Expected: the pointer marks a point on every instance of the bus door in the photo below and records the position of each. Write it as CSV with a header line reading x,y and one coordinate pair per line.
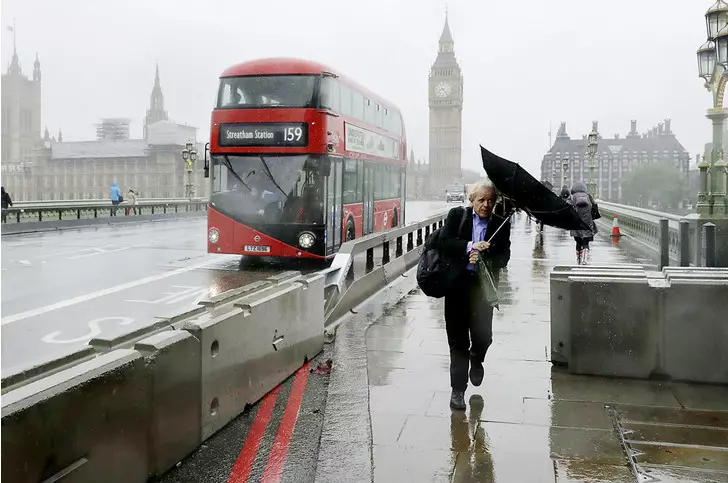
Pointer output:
x,y
334,206
368,218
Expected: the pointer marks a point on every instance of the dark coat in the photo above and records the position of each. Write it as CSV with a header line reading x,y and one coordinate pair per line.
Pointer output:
x,y
454,245
582,203
6,201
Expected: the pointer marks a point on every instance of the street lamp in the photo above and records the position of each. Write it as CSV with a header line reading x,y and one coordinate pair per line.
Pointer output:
x,y
564,168
592,151
712,65
189,156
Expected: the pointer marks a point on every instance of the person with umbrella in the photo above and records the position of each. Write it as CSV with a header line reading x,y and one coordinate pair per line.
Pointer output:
x,y
472,238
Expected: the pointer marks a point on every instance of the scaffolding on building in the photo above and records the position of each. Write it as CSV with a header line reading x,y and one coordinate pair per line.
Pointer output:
x,y
113,129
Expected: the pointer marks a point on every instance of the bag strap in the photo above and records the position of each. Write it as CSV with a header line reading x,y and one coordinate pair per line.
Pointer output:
x,y
462,221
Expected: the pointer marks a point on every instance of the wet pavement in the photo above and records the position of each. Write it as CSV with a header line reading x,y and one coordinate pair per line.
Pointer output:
x,y
63,288
528,421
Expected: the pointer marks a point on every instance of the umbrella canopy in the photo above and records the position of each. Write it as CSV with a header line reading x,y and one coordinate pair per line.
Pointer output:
x,y
529,194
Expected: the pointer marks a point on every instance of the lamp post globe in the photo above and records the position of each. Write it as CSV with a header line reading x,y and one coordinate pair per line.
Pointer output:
x,y
716,18
706,60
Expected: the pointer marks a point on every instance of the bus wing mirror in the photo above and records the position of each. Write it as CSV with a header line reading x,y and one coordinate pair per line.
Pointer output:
x,y
207,160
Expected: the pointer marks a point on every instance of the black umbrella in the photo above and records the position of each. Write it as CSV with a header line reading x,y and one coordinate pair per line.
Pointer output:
x,y
527,193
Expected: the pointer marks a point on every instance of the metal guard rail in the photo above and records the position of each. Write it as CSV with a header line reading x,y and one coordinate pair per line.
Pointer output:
x,y
644,225
341,297
75,211
95,202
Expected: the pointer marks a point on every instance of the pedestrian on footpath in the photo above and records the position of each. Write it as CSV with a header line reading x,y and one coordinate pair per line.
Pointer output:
x,y
115,195
467,234
7,202
132,195
582,203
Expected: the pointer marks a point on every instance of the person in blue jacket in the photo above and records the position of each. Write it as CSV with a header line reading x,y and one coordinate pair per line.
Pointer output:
x,y
115,195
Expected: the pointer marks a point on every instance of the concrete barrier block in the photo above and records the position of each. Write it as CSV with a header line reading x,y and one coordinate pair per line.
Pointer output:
x,y
696,331
88,422
173,360
21,375
249,350
615,327
560,304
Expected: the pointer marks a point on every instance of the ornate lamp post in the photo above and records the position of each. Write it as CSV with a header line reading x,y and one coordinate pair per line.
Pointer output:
x,y
592,151
712,64
189,156
564,170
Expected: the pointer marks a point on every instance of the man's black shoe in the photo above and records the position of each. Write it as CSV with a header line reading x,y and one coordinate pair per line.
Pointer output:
x,y
457,400
476,373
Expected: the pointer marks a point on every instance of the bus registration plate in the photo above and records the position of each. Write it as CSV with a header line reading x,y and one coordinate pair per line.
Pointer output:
x,y
257,248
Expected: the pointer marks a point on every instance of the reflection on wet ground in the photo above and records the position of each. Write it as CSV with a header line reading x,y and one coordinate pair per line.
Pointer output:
x,y
528,421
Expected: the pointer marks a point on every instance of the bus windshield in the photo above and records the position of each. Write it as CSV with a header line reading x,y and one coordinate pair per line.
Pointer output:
x,y
269,189
267,91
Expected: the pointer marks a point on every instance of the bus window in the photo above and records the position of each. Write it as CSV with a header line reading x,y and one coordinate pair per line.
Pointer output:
x,y
350,181
357,105
271,189
395,182
329,93
345,99
266,91
378,182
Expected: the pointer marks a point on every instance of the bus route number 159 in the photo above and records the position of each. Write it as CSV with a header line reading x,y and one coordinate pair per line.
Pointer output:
x,y
293,134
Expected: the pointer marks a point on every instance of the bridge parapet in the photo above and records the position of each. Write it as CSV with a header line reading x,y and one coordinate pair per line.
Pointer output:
x,y
643,225
688,239
30,217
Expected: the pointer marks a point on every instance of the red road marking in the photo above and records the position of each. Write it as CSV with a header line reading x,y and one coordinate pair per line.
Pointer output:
x,y
244,463
277,457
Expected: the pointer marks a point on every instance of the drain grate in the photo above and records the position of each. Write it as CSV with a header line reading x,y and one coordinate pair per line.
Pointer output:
x,y
640,475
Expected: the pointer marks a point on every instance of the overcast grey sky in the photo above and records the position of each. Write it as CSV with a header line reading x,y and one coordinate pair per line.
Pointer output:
x,y
525,63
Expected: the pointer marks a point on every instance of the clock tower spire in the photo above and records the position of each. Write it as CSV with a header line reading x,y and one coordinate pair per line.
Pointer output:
x,y
446,108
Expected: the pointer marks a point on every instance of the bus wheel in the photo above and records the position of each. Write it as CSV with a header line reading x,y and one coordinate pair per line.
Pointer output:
x,y
395,219
350,232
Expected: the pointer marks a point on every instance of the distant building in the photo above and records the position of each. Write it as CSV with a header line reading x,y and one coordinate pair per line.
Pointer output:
x,y
152,165
21,110
615,157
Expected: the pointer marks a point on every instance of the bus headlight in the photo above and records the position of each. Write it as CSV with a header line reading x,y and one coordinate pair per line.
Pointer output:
x,y
213,235
306,240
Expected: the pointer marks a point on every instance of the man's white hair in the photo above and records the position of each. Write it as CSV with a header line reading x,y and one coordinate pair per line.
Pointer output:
x,y
481,185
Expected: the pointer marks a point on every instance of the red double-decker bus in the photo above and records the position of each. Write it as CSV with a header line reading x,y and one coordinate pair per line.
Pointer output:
x,y
301,159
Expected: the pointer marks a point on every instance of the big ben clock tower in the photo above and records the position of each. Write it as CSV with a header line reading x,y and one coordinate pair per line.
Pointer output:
x,y
446,113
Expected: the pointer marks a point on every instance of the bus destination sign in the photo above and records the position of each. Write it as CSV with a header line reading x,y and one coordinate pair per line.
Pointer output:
x,y
283,134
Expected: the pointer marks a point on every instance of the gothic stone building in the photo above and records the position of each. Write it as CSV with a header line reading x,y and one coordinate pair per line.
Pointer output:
x,y
21,100
446,109
49,168
615,157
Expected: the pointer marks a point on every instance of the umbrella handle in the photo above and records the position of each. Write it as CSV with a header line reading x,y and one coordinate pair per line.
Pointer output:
x,y
502,225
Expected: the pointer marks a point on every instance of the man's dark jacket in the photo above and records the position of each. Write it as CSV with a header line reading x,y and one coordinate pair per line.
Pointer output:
x,y
453,245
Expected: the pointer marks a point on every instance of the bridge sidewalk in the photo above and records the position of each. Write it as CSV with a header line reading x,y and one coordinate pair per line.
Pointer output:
x,y
528,421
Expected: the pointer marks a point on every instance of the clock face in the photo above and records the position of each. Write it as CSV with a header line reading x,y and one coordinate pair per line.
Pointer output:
x,y
443,89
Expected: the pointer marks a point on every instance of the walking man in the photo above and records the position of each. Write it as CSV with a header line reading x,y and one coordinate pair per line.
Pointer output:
x,y
467,234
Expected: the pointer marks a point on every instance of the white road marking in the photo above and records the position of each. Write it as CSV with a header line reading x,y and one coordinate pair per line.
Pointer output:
x,y
97,251
101,293
94,330
174,297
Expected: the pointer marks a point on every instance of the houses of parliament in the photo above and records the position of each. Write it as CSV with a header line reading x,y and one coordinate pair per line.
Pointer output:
x,y
38,166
